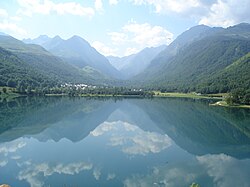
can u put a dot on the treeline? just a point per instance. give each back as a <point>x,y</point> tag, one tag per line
<point>238,96</point>
<point>74,91</point>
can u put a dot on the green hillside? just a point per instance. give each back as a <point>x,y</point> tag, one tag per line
<point>236,75</point>
<point>13,70</point>
<point>202,65</point>
<point>33,65</point>
<point>78,52</point>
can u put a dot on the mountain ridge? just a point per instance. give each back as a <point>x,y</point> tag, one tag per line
<point>78,52</point>
<point>195,62</point>
<point>35,58</point>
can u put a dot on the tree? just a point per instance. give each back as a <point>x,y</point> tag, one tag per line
<point>29,90</point>
<point>20,87</point>
<point>11,83</point>
<point>4,90</point>
<point>229,100</point>
<point>237,95</point>
<point>246,99</point>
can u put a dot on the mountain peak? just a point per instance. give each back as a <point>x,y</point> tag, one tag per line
<point>43,36</point>
<point>39,40</point>
<point>75,37</point>
<point>77,40</point>
<point>199,28</point>
<point>3,34</point>
<point>57,38</point>
<point>243,25</point>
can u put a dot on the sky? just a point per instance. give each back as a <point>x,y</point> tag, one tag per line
<point>117,27</point>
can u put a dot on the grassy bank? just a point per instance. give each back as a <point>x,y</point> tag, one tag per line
<point>188,95</point>
<point>8,93</point>
<point>224,104</point>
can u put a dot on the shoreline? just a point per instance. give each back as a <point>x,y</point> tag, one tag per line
<point>224,104</point>
<point>188,95</point>
<point>220,97</point>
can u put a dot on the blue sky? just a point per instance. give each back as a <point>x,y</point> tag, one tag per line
<point>117,27</point>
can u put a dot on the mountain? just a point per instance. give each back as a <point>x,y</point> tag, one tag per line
<point>198,59</point>
<point>134,64</point>
<point>13,68</point>
<point>198,128</point>
<point>19,58</point>
<point>120,62</point>
<point>39,41</point>
<point>233,76</point>
<point>3,34</point>
<point>72,119</point>
<point>78,52</point>
<point>186,38</point>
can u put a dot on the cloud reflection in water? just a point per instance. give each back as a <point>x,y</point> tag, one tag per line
<point>34,173</point>
<point>132,139</point>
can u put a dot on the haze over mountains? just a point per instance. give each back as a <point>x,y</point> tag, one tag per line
<point>134,64</point>
<point>204,59</point>
<point>76,51</point>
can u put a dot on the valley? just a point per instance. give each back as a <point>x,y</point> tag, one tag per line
<point>203,59</point>
<point>124,93</point>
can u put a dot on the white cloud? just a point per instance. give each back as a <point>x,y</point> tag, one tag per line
<point>16,18</point>
<point>130,51</point>
<point>32,172</point>
<point>111,176</point>
<point>97,173</point>
<point>134,141</point>
<point>3,163</point>
<point>163,6</point>
<point>113,2</point>
<point>12,29</point>
<point>215,170</point>
<point>11,147</point>
<point>147,35</point>
<point>29,7</point>
<point>170,176</point>
<point>98,5</point>
<point>103,49</point>
<point>118,37</point>
<point>227,13</point>
<point>144,143</point>
<point>3,13</point>
<point>16,157</point>
<point>104,127</point>
<point>140,36</point>
<point>222,13</point>
<point>223,169</point>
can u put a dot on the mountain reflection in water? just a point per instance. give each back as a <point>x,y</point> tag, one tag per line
<point>127,142</point>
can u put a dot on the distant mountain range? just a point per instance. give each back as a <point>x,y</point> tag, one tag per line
<point>76,51</point>
<point>33,65</point>
<point>202,59</point>
<point>134,64</point>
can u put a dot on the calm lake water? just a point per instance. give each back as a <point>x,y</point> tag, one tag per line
<point>78,142</point>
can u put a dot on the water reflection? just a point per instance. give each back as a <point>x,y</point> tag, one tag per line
<point>131,139</point>
<point>34,173</point>
<point>209,170</point>
<point>131,142</point>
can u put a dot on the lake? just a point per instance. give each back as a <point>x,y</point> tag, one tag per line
<point>78,142</point>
